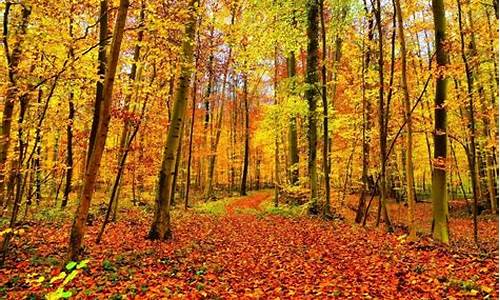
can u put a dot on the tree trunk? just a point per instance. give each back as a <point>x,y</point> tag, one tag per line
<point>176,166</point>
<point>69,133</point>
<point>135,74</point>
<point>121,166</point>
<point>191,128</point>
<point>439,192</point>
<point>472,157</point>
<point>409,130</point>
<point>292,131</point>
<point>276,145</point>
<point>99,139</point>
<point>382,121</point>
<point>101,71</point>
<point>214,141</point>
<point>160,227</point>
<point>326,139</point>
<point>366,122</point>
<point>243,186</point>
<point>13,60</point>
<point>311,97</point>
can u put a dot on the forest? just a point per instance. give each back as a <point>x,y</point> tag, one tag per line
<point>270,149</point>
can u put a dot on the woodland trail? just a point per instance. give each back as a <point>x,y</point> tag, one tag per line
<point>252,201</point>
<point>245,254</point>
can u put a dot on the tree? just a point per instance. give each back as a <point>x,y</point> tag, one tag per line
<point>13,59</point>
<point>95,150</point>
<point>160,227</point>
<point>246,149</point>
<point>410,193</point>
<point>311,94</point>
<point>326,137</point>
<point>127,122</point>
<point>366,106</point>
<point>439,192</point>
<point>383,116</point>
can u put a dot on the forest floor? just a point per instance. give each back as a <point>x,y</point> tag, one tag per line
<point>244,248</point>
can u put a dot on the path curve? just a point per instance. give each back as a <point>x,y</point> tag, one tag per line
<point>252,201</point>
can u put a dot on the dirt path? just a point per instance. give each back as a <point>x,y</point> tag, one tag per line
<point>252,201</point>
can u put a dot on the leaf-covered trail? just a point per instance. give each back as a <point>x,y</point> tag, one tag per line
<point>250,202</point>
<point>244,255</point>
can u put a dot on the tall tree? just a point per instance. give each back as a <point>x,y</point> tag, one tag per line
<point>101,71</point>
<point>160,227</point>
<point>94,159</point>
<point>439,192</point>
<point>326,138</point>
<point>127,122</point>
<point>311,94</point>
<point>13,59</point>
<point>246,150</point>
<point>69,129</point>
<point>410,193</point>
<point>383,115</point>
<point>366,104</point>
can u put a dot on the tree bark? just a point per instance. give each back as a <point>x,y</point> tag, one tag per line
<point>160,227</point>
<point>13,60</point>
<point>439,192</point>
<point>311,97</point>
<point>69,133</point>
<point>383,113</point>
<point>326,139</point>
<point>135,73</point>
<point>244,175</point>
<point>410,192</point>
<point>95,152</point>
<point>366,121</point>
<point>292,130</point>
<point>101,71</point>
<point>191,128</point>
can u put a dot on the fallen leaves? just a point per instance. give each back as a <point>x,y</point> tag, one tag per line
<point>244,256</point>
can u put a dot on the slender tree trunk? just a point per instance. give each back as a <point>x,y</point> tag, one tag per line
<point>121,166</point>
<point>13,60</point>
<point>292,131</point>
<point>243,186</point>
<point>134,77</point>
<point>176,166</point>
<point>311,97</point>
<point>366,121</point>
<point>18,175</point>
<point>218,128</point>
<point>460,177</point>
<point>470,76</point>
<point>69,134</point>
<point>439,192</point>
<point>191,128</point>
<point>292,126</point>
<point>409,130</point>
<point>101,71</point>
<point>382,121</point>
<point>99,140</point>
<point>160,227</point>
<point>276,145</point>
<point>326,139</point>
<point>488,151</point>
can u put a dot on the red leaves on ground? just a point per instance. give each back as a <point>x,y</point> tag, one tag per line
<point>248,256</point>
